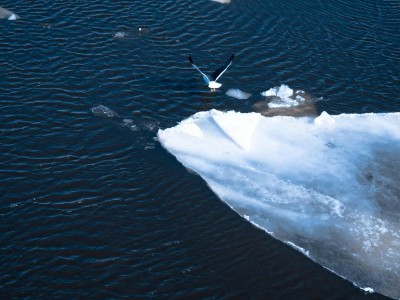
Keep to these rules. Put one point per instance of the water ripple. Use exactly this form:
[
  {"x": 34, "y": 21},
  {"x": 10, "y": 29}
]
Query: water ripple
[{"x": 89, "y": 202}]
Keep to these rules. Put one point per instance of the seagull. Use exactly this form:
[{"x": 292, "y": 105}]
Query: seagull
[{"x": 213, "y": 84}]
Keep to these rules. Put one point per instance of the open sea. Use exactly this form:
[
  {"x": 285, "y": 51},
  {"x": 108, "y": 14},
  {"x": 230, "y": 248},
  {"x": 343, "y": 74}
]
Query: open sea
[{"x": 92, "y": 207}]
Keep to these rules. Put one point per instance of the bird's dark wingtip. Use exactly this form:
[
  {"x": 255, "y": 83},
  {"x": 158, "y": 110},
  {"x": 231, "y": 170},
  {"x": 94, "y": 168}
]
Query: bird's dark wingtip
[{"x": 190, "y": 59}]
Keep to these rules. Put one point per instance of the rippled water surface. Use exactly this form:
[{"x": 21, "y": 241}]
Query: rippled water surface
[{"x": 92, "y": 206}]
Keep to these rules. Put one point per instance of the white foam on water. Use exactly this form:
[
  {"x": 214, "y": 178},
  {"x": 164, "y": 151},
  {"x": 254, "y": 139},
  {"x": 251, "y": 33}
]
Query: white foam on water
[
  {"x": 328, "y": 186},
  {"x": 238, "y": 94}
]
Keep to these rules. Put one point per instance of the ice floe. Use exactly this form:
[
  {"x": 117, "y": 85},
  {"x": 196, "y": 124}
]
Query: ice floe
[{"x": 327, "y": 186}]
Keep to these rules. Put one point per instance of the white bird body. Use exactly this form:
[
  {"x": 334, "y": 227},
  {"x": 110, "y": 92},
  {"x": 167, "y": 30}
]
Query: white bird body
[{"x": 213, "y": 84}]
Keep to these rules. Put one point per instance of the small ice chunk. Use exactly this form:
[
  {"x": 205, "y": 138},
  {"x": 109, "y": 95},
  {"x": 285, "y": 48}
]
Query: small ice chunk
[
  {"x": 119, "y": 35},
  {"x": 238, "y": 94},
  {"x": 368, "y": 290},
  {"x": 134, "y": 127},
  {"x": 281, "y": 97},
  {"x": 103, "y": 111},
  {"x": 271, "y": 92},
  {"x": 324, "y": 119},
  {"x": 300, "y": 98},
  {"x": 127, "y": 121},
  {"x": 282, "y": 92},
  {"x": 7, "y": 14},
  {"x": 222, "y": 1}
]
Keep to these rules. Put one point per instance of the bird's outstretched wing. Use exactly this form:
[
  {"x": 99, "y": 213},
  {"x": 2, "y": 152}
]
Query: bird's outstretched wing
[
  {"x": 217, "y": 74},
  {"x": 206, "y": 79}
]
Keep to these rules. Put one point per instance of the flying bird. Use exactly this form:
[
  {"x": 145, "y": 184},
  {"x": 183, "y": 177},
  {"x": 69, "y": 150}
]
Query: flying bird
[{"x": 213, "y": 84}]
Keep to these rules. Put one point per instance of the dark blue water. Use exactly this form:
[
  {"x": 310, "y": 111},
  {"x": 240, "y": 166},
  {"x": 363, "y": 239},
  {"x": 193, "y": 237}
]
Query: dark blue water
[{"x": 93, "y": 207}]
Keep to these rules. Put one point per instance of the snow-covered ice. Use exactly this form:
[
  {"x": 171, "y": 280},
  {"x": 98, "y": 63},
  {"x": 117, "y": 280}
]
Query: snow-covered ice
[
  {"x": 327, "y": 186},
  {"x": 282, "y": 96}
]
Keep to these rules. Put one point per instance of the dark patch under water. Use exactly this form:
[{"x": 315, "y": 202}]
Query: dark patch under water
[{"x": 91, "y": 205}]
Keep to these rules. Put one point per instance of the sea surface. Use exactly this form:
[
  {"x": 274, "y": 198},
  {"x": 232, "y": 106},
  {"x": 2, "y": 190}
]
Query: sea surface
[{"x": 92, "y": 207}]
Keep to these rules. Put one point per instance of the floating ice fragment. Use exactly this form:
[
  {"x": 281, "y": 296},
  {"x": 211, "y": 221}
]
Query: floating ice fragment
[
  {"x": 281, "y": 101},
  {"x": 119, "y": 35},
  {"x": 7, "y": 14},
  {"x": 282, "y": 92},
  {"x": 368, "y": 290},
  {"x": 222, "y": 1},
  {"x": 127, "y": 121},
  {"x": 103, "y": 111},
  {"x": 134, "y": 127},
  {"x": 281, "y": 96},
  {"x": 238, "y": 94}
]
